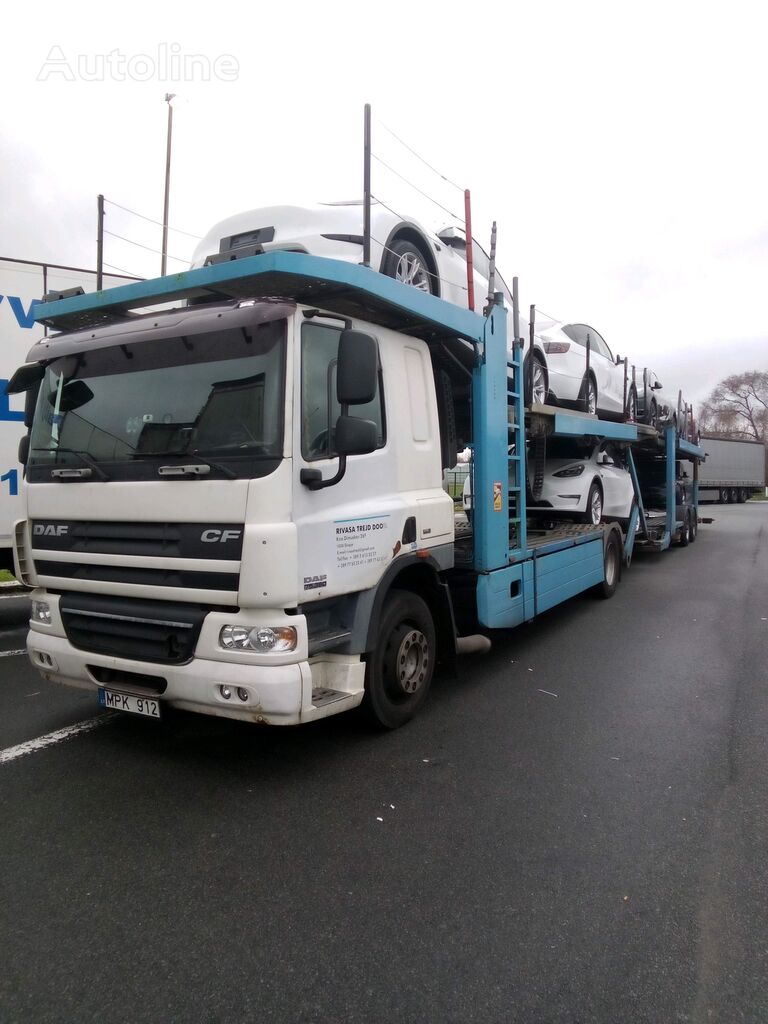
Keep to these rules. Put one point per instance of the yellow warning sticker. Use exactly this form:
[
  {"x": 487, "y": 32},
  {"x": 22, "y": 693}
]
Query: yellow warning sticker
[{"x": 497, "y": 496}]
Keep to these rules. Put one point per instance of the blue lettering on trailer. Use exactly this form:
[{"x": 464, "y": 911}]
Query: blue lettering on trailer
[
  {"x": 24, "y": 317},
  {"x": 6, "y": 413}
]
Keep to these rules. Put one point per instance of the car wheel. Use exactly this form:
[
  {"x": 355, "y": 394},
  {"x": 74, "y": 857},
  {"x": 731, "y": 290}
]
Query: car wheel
[
  {"x": 632, "y": 406},
  {"x": 399, "y": 671},
  {"x": 594, "y": 510},
  {"x": 612, "y": 563},
  {"x": 694, "y": 525},
  {"x": 406, "y": 262},
  {"x": 653, "y": 418},
  {"x": 537, "y": 388},
  {"x": 589, "y": 395}
]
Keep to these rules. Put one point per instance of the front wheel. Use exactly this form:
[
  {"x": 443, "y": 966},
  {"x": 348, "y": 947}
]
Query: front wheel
[
  {"x": 399, "y": 670},
  {"x": 594, "y": 510},
  {"x": 685, "y": 532},
  {"x": 406, "y": 262}
]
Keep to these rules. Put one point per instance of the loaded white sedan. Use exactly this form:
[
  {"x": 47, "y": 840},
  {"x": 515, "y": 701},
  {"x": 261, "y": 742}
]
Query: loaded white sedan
[
  {"x": 591, "y": 485},
  {"x": 563, "y": 376}
]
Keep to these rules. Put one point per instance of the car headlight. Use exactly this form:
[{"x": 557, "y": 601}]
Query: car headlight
[
  {"x": 262, "y": 639},
  {"x": 41, "y": 612},
  {"x": 571, "y": 471}
]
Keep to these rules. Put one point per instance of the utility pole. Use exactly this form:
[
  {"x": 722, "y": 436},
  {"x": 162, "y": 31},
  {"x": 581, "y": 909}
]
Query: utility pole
[
  {"x": 100, "y": 243},
  {"x": 168, "y": 97}
]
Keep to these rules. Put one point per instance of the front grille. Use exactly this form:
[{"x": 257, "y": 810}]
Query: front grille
[
  {"x": 141, "y": 576},
  {"x": 157, "y": 631}
]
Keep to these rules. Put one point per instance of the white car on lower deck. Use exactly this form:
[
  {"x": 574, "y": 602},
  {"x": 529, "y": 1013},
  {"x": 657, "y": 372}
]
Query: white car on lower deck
[{"x": 588, "y": 484}]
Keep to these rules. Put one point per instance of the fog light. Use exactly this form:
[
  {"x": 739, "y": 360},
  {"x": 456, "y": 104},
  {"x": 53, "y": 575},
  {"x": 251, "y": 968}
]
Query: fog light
[
  {"x": 264, "y": 639},
  {"x": 225, "y": 692},
  {"x": 41, "y": 612},
  {"x": 242, "y": 694}
]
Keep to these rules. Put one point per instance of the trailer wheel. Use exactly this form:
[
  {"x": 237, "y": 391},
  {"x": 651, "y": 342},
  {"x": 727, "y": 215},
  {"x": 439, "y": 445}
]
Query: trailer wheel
[
  {"x": 612, "y": 562},
  {"x": 694, "y": 524},
  {"x": 685, "y": 532},
  {"x": 399, "y": 670}
]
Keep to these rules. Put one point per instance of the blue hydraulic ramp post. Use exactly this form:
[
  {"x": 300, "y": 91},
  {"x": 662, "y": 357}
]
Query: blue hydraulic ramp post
[
  {"x": 638, "y": 494},
  {"x": 489, "y": 432},
  {"x": 670, "y": 446}
]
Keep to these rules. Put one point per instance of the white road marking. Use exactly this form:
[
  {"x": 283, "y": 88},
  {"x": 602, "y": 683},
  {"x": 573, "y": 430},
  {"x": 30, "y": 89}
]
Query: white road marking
[
  {"x": 12, "y": 654},
  {"x": 32, "y": 746}
]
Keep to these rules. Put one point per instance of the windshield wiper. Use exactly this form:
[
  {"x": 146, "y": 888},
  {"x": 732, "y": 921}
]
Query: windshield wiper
[
  {"x": 194, "y": 455},
  {"x": 83, "y": 456}
]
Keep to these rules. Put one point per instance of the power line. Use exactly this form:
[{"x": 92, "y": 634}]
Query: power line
[
  {"x": 151, "y": 220},
  {"x": 121, "y": 270},
  {"x": 418, "y": 157},
  {"x": 149, "y": 248},
  {"x": 416, "y": 188}
]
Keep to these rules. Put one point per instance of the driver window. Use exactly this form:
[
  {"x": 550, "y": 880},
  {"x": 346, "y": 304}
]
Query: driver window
[{"x": 319, "y": 408}]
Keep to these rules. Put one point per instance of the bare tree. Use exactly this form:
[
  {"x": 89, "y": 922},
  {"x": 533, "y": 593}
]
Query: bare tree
[{"x": 738, "y": 407}]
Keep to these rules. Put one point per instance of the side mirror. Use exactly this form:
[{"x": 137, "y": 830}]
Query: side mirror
[
  {"x": 357, "y": 368},
  {"x": 25, "y": 378},
  {"x": 24, "y": 449},
  {"x": 73, "y": 395},
  {"x": 657, "y": 386},
  {"x": 355, "y": 436}
]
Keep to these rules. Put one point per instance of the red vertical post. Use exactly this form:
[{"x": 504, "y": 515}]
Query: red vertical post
[{"x": 470, "y": 267}]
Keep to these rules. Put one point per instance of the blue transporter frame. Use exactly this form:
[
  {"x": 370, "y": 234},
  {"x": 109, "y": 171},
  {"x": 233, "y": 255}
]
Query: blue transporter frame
[
  {"x": 675, "y": 449},
  {"x": 516, "y": 580}
]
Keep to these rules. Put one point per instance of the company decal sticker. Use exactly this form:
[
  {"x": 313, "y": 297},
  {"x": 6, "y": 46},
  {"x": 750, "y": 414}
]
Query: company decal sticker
[
  {"x": 497, "y": 495},
  {"x": 362, "y": 542},
  {"x": 315, "y": 582}
]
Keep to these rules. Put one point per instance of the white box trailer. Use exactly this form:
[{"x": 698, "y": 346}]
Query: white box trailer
[
  {"x": 22, "y": 285},
  {"x": 734, "y": 469}
]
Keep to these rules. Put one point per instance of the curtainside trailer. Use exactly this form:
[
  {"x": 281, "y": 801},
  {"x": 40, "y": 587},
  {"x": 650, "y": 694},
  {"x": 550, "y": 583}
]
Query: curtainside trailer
[{"x": 734, "y": 469}]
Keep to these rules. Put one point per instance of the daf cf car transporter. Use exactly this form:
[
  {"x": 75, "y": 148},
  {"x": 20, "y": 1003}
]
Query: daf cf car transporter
[{"x": 235, "y": 506}]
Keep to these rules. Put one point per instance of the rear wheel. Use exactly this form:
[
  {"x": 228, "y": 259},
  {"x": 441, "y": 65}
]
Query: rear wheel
[
  {"x": 589, "y": 395},
  {"x": 685, "y": 531},
  {"x": 632, "y": 410},
  {"x": 407, "y": 262},
  {"x": 694, "y": 524},
  {"x": 399, "y": 671},
  {"x": 537, "y": 387},
  {"x": 612, "y": 563}
]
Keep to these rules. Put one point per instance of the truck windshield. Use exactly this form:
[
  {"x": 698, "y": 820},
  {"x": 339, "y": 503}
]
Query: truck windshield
[{"x": 216, "y": 396}]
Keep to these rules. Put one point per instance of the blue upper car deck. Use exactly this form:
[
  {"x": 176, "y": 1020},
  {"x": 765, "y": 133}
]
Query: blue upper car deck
[{"x": 345, "y": 288}]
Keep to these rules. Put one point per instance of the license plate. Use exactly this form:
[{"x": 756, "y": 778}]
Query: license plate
[{"x": 126, "y": 702}]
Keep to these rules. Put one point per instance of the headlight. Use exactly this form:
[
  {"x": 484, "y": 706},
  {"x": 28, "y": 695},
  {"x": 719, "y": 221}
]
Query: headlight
[
  {"x": 41, "y": 612},
  {"x": 264, "y": 639},
  {"x": 571, "y": 471}
]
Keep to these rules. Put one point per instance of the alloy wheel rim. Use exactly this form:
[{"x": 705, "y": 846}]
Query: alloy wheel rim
[
  {"x": 539, "y": 387},
  {"x": 596, "y": 508},
  {"x": 592, "y": 398},
  {"x": 410, "y": 270}
]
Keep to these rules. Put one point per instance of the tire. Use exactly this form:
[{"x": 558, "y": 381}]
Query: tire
[
  {"x": 589, "y": 394},
  {"x": 537, "y": 392},
  {"x": 694, "y": 525},
  {"x": 632, "y": 406},
  {"x": 405, "y": 261},
  {"x": 653, "y": 417},
  {"x": 399, "y": 671},
  {"x": 612, "y": 561},
  {"x": 685, "y": 532},
  {"x": 593, "y": 513}
]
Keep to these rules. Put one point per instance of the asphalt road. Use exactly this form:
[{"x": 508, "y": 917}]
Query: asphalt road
[{"x": 574, "y": 830}]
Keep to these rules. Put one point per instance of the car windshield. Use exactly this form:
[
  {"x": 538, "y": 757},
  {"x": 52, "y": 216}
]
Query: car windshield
[{"x": 217, "y": 395}]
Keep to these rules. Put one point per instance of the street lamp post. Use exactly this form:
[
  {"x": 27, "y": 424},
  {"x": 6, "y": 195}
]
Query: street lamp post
[{"x": 168, "y": 97}]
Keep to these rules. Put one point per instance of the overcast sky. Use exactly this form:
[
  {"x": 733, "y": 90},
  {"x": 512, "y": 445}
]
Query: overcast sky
[{"x": 622, "y": 148}]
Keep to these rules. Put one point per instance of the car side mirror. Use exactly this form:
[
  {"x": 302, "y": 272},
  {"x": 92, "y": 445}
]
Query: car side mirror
[
  {"x": 657, "y": 386},
  {"x": 355, "y": 436},
  {"x": 357, "y": 368}
]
